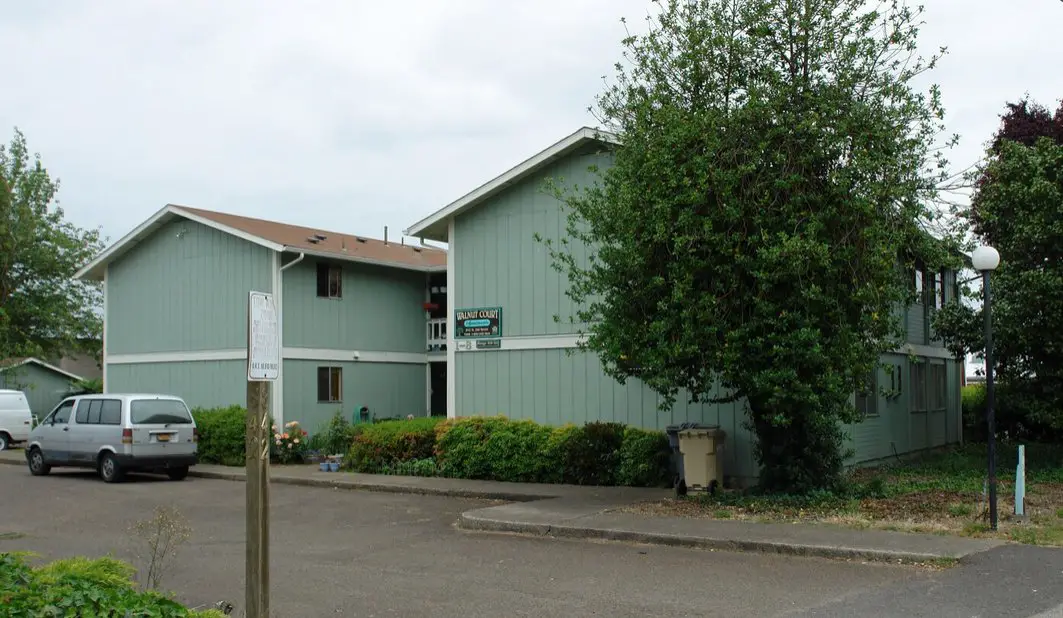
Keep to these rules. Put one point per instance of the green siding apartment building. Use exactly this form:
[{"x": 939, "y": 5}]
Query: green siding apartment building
[{"x": 374, "y": 323}]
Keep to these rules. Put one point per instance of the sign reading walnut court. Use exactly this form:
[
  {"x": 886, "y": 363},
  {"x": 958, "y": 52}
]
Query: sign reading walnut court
[{"x": 482, "y": 322}]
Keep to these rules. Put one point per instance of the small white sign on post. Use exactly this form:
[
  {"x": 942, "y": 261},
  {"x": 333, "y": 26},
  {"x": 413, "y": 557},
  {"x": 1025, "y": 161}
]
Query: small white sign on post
[{"x": 263, "y": 339}]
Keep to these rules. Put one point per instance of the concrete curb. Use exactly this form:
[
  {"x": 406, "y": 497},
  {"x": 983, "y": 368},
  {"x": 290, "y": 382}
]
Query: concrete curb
[
  {"x": 484, "y": 494},
  {"x": 472, "y": 522}
]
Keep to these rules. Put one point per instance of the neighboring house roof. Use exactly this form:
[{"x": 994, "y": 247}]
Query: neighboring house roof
[
  {"x": 12, "y": 363},
  {"x": 434, "y": 226},
  {"x": 277, "y": 237}
]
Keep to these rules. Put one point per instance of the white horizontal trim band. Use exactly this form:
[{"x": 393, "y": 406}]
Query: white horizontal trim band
[
  {"x": 351, "y": 356},
  {"x": 531, "y": 342},
  {"x": 176, "y": 357},
  {"x": 551, "y": 342},
  {"x": 368, "y": 356},
  {"x": 926, "y": 350}
]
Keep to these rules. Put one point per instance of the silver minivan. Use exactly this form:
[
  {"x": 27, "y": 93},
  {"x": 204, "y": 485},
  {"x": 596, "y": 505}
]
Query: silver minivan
[{"x": 115, "y": 434}]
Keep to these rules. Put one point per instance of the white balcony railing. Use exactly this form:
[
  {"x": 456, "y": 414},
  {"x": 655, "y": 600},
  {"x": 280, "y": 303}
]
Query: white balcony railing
[{"x": 437, "y": 334}]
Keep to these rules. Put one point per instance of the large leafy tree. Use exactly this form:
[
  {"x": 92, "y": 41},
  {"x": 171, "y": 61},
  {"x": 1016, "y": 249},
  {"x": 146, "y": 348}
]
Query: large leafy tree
[
  {"x": 43, "y": 311},
  {"x": 756, "y": 225},
  {"x": 1018, "y": 208}
]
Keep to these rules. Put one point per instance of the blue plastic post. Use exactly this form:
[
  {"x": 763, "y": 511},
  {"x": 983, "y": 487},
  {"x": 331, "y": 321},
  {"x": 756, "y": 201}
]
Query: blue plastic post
[{"x": 1020, "y": 483}]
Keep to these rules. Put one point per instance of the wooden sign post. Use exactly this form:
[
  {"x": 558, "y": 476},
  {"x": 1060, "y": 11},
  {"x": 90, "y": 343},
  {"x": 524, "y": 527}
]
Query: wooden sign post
[{"x": 263, "y": 367}]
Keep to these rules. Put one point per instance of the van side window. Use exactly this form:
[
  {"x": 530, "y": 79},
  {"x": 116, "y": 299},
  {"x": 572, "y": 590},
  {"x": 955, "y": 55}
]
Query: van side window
[
  {"x": 61, "y": 416},
  {"x": 94, "y": 411},
  {"x": 88, "y": 411},
  {"x": 110, "y": 412}
]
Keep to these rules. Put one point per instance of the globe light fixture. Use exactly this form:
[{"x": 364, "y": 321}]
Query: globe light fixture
[{"x": 985, "y": 258}]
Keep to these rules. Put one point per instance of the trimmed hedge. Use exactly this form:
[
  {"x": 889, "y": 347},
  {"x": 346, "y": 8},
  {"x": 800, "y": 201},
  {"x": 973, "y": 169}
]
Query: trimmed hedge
[
  {"x": 222, "y": 435},
  {"x": 377, "y": 446},
  {"x": 496, "y": 448}
]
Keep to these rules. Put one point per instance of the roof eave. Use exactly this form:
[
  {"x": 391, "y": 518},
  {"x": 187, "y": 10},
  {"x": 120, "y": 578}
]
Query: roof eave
[
  {"x": 48, "y": 366},
  {"x": 95, "y": 269},
  {"x": 430, "y": 227},
  {"x": 364, "y": 260}
]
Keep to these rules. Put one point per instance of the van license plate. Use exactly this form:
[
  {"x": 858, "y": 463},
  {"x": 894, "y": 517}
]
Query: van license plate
[{"x": 163, "y": 437}]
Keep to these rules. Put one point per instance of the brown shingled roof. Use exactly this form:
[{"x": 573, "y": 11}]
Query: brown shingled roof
[{"x": 342, "y": 245}]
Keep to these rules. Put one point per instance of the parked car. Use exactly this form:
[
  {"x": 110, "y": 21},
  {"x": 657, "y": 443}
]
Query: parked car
[
  {"x": 115, "y": 434},
  {"x": 16, "y": 420}
]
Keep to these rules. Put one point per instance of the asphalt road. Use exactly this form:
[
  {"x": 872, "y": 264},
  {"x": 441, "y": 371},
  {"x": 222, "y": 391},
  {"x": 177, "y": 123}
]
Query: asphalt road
[{"x": 342, "y": 553}]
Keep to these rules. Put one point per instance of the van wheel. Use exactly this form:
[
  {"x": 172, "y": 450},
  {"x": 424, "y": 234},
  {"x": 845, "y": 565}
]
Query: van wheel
[
  {"x": 178, "y": 473},
  {"x": 5, "y": 441},
  {"x": 110, "y": 471},
  {"x": 37, "y": 465}
]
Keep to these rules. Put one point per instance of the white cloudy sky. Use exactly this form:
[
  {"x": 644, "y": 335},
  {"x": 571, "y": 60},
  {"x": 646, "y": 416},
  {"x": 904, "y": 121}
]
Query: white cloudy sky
[{"x": 350, "y": 115}]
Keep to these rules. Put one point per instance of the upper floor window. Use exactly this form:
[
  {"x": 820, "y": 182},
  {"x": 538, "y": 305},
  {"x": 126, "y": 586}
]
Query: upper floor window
[
  {"x": 867, "y": 396},
  {"x": 939, "y": 289},
  {"x": 919, "y": 284},
  {"x": 329, "y": 281}
]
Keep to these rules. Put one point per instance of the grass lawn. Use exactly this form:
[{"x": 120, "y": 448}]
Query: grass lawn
[{"x": 938, "y": 493}]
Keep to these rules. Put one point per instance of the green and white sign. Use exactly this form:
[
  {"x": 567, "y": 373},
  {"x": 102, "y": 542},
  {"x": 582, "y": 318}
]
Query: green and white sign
[{"x": 478, "y": 323}]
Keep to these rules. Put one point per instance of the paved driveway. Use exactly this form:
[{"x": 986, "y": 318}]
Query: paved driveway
[{"x": 344, "y": 553}]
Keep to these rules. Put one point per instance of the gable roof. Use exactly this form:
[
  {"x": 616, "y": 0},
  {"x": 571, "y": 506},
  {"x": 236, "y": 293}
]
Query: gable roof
[
  {"x": 434, "y": 226},
  {"x": 12, "y": 363},
  {"x": 276, "y": 237}
]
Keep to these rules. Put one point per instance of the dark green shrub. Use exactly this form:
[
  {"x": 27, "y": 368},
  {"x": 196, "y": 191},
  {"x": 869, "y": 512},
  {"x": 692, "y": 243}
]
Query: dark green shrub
[
  {"x": 495, "y": 448},
  {"x": 592, "y": 456},
  {"x": 222, "y": 434},
  {"x": 645, "y": 459},
  {"x": 380, "y": 445},
  {"x": 80, "y": 587},
  {"x": 973, "y": 405}
]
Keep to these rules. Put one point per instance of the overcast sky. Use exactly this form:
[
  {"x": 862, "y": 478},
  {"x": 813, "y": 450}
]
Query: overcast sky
[{"x": 349, "y": 115}]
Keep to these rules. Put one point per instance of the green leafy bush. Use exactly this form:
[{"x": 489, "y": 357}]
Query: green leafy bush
[
  {"x": 645, "y": 459},
  {"x": 380, "y": 445},
  {"x": 222, "y": 433},
  {"x": 589, "y": 455},
  {"x": 335, "y": 437},
  {"x": 500, "y": 449},
  {"x": 495, "y": 448},
  {"x": 972, "y": 400},
  {"x": 417, "y": 467},
  {"x": 81, "y": 587}
]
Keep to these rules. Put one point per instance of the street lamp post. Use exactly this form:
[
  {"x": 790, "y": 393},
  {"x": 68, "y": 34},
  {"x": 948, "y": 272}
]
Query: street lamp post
[{"x": 985, "y": 260}]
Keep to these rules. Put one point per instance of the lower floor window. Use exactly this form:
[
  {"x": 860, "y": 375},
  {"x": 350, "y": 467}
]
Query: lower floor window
[{"x": 329, "y": 384}]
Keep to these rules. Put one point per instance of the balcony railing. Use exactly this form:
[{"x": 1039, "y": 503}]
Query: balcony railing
[{"x": 437, "y": 334}]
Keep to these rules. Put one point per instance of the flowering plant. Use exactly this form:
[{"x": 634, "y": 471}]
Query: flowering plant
[{"x": 289, "y": 443}]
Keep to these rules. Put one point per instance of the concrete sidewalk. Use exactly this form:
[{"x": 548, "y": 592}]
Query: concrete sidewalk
[
  {"x": 591, "y": 513},
  {"x": 570, "y": 518}
]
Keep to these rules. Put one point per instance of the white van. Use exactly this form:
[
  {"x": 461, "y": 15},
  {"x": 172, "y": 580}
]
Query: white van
[
  {"x": 16, "y": 420},
  {"x": 114, "y": 434}
]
